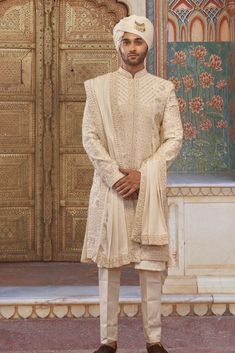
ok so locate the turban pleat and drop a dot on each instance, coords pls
(139, 25)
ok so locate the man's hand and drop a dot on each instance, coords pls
(133, 196)
(129, 184)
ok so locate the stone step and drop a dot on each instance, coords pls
(23, 302)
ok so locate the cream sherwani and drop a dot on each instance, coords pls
(129, 122)
(133, 123)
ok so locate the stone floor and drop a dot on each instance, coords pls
(179, 335)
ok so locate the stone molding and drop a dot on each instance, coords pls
(172, 305)
(174, 191)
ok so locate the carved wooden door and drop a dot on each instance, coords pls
(47, 49)
(21, 129)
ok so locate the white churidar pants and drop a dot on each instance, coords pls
(151, 288)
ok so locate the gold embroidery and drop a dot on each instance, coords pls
(140, 27)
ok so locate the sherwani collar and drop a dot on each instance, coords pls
(127, 74)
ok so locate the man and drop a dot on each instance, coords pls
(131, 132)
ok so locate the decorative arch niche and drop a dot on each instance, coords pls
(183, 33)
(211, 32)
(224, 30)
(197, 28)
(173, 29)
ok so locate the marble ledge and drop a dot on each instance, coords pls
(201, 185)
(61, 294)
(90, 295)
(224, 298)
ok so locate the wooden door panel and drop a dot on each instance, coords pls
(77, 174)
(72, 230)
(17, 21)
(85, 50)
(17, 127)
(47, 50)
(17, 66)
(88, 20)
(16, 178)
(20, 122)
(79, 66)
(17, 236)
(71, 114)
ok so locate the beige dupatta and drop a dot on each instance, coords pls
(114, 238)
(150, 218)
(150, 227)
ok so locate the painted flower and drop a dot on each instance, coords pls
(206, 80)
(182, 104)
(206, 124)
(199, 52)
(196, 104)
(216, 102)
(222, 124)
(221, 84)
(190, 131)
(179, 58)
(175, 81)
(215, 62)
(232, 133)
(188, 82)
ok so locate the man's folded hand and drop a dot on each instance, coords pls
(127, 186)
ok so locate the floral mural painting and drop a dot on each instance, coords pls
(231, 87)
(200, 73)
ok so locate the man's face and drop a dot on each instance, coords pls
(133, 49)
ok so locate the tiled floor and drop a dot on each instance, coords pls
(179, 335)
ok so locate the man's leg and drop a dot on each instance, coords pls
(151, 289)
(109, 286)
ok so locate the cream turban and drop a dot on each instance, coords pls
(139, 25)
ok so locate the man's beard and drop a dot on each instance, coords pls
(139, 58)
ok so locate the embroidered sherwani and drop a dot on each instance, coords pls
(133, 123)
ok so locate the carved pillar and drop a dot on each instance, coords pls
(230, 6)
(161, 20)
(47, 136)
